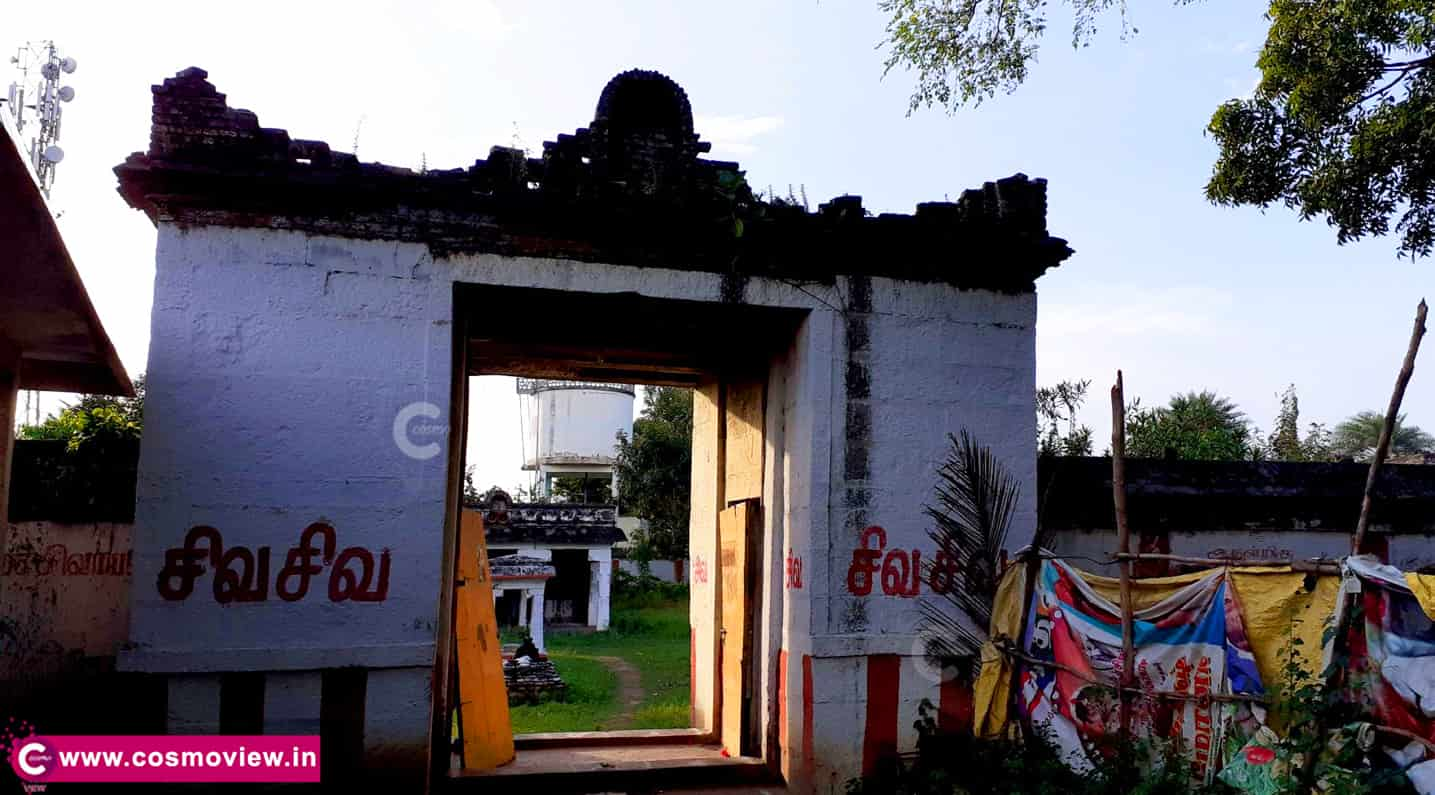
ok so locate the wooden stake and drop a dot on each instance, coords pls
(1123, 540)
(1391, 413)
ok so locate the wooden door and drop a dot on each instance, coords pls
(482, 695)
(738, 528)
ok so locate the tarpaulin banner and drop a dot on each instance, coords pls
(1192, 642)
(1279, 607)
(1385, 655)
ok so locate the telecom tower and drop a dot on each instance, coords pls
(570, 432)
(35, 101)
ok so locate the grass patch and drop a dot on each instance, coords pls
(592, 699)
(653, 637)
(673, 713)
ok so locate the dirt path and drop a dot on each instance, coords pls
(630, 690)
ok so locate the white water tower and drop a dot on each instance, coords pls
(570, 429)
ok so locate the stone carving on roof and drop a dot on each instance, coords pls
(520, 567)
(631, 187)
(552, 523)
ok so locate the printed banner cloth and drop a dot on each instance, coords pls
(1388, 645)
(1192, 642)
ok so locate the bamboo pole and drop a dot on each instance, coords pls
(1382, 448)
(1123, 540)
(1321, 567)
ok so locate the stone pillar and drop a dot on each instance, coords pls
(522, 608)
(535, 628)
(9, 389)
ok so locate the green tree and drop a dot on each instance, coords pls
(471, 494)
(1057, 406)
(588, 489)
(1339, 126)
(1285, 442)
(1195, 425)
(654, 471)
(1357, 436)
(94, 420)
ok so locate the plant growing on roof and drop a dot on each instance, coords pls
(976, 499)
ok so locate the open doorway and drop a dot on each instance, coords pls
(720, 358)
(583, 488)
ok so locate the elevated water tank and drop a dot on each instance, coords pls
(573, 425)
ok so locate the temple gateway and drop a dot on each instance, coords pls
(315, 323)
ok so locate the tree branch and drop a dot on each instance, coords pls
(1415, 64)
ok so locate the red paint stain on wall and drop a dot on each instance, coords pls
(809, 767)
(879, 743)
(956, 712)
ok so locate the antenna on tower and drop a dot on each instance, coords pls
(40, 103)
(358, 128)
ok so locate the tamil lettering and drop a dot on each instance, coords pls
(240, 574)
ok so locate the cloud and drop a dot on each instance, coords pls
(735, 134)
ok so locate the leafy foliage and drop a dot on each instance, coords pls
(976, 497)
(1285, 442)
(1195, 425)
(1358, 435)
(1055, 406)
(1341, 125)
(471, 494)
(93, 421)
(583, 489)
(653, 471)
(966, 51)
(645, 590)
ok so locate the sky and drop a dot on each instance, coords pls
(1178, 293)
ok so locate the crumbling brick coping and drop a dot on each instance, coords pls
(630, 188)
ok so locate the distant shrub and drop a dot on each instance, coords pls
(645, 590)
